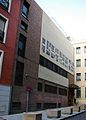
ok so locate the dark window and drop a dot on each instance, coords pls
(2, 28)
(85, 62)
(85, 92)
(24, 26)
(39, 106)
(85, 76)
(78, 76)
(62, 91)
(50, 89)
(51, 66)
(39, 86)
(78, 92)
(25, 9)
(21, 45)
(4, 3)
(49, 105)
(19, 73)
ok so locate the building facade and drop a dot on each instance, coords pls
(36, 64)
(80, 70)
(8, 30)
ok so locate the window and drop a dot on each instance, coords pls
(16, 106)
(78, 50)
(39, 86)
(25, 9)
(85, 62)
(78, 76)
(3, 28)
(21, 45)
(49, 105)
(50, 89)
(85, 76)
(84, 49)
(1, 60)
(39, 106)
(5, 4)
(85, 92)
(62, 91)
(78, 62)
(78, 92)
(19, 73)
(51, 66)
(24, 26)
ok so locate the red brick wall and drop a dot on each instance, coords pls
(9, 46)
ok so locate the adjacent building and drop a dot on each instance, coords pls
(80, 70)
(36, 59)
(8, 29)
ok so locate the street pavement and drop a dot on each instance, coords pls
(81, 116)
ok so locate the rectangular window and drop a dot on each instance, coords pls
(25, 9)
(78, 50)
(84, 49)
(51, 66)
(49, 105)
(19, 73)
(39, 86)
(85, 76)
(24, 26)
(78, 76)
(3, 28)
(78, 92)
(78, 63)
(21, 45)
(39, 106)
(5, 4)
(85, 62)
(50, 89)
(1, 60)
(62, 91)
(85, 92)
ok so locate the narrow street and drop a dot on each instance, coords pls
(81, 116)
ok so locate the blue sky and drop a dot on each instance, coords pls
(69, 14)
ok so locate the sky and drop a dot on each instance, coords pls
(70, 15)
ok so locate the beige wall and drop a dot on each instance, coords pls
(52, 76)
(81, 70)
(51, 33)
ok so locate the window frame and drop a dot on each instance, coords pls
(21, 52)
(78, 50)
(28, 5)
(78, 64)
(78, 76)
(5, 29)
(9, 6)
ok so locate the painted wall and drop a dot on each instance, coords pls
(81, 69)
(53, 36)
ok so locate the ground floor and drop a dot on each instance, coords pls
(38, 95)
(4, 99)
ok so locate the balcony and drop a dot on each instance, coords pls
(4, 4)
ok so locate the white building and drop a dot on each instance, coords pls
(80, 70)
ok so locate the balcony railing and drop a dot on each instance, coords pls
(1, 36)
(4, 3)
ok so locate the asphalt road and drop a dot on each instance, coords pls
(81, 116)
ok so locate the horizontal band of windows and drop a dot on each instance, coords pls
(51, 66)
